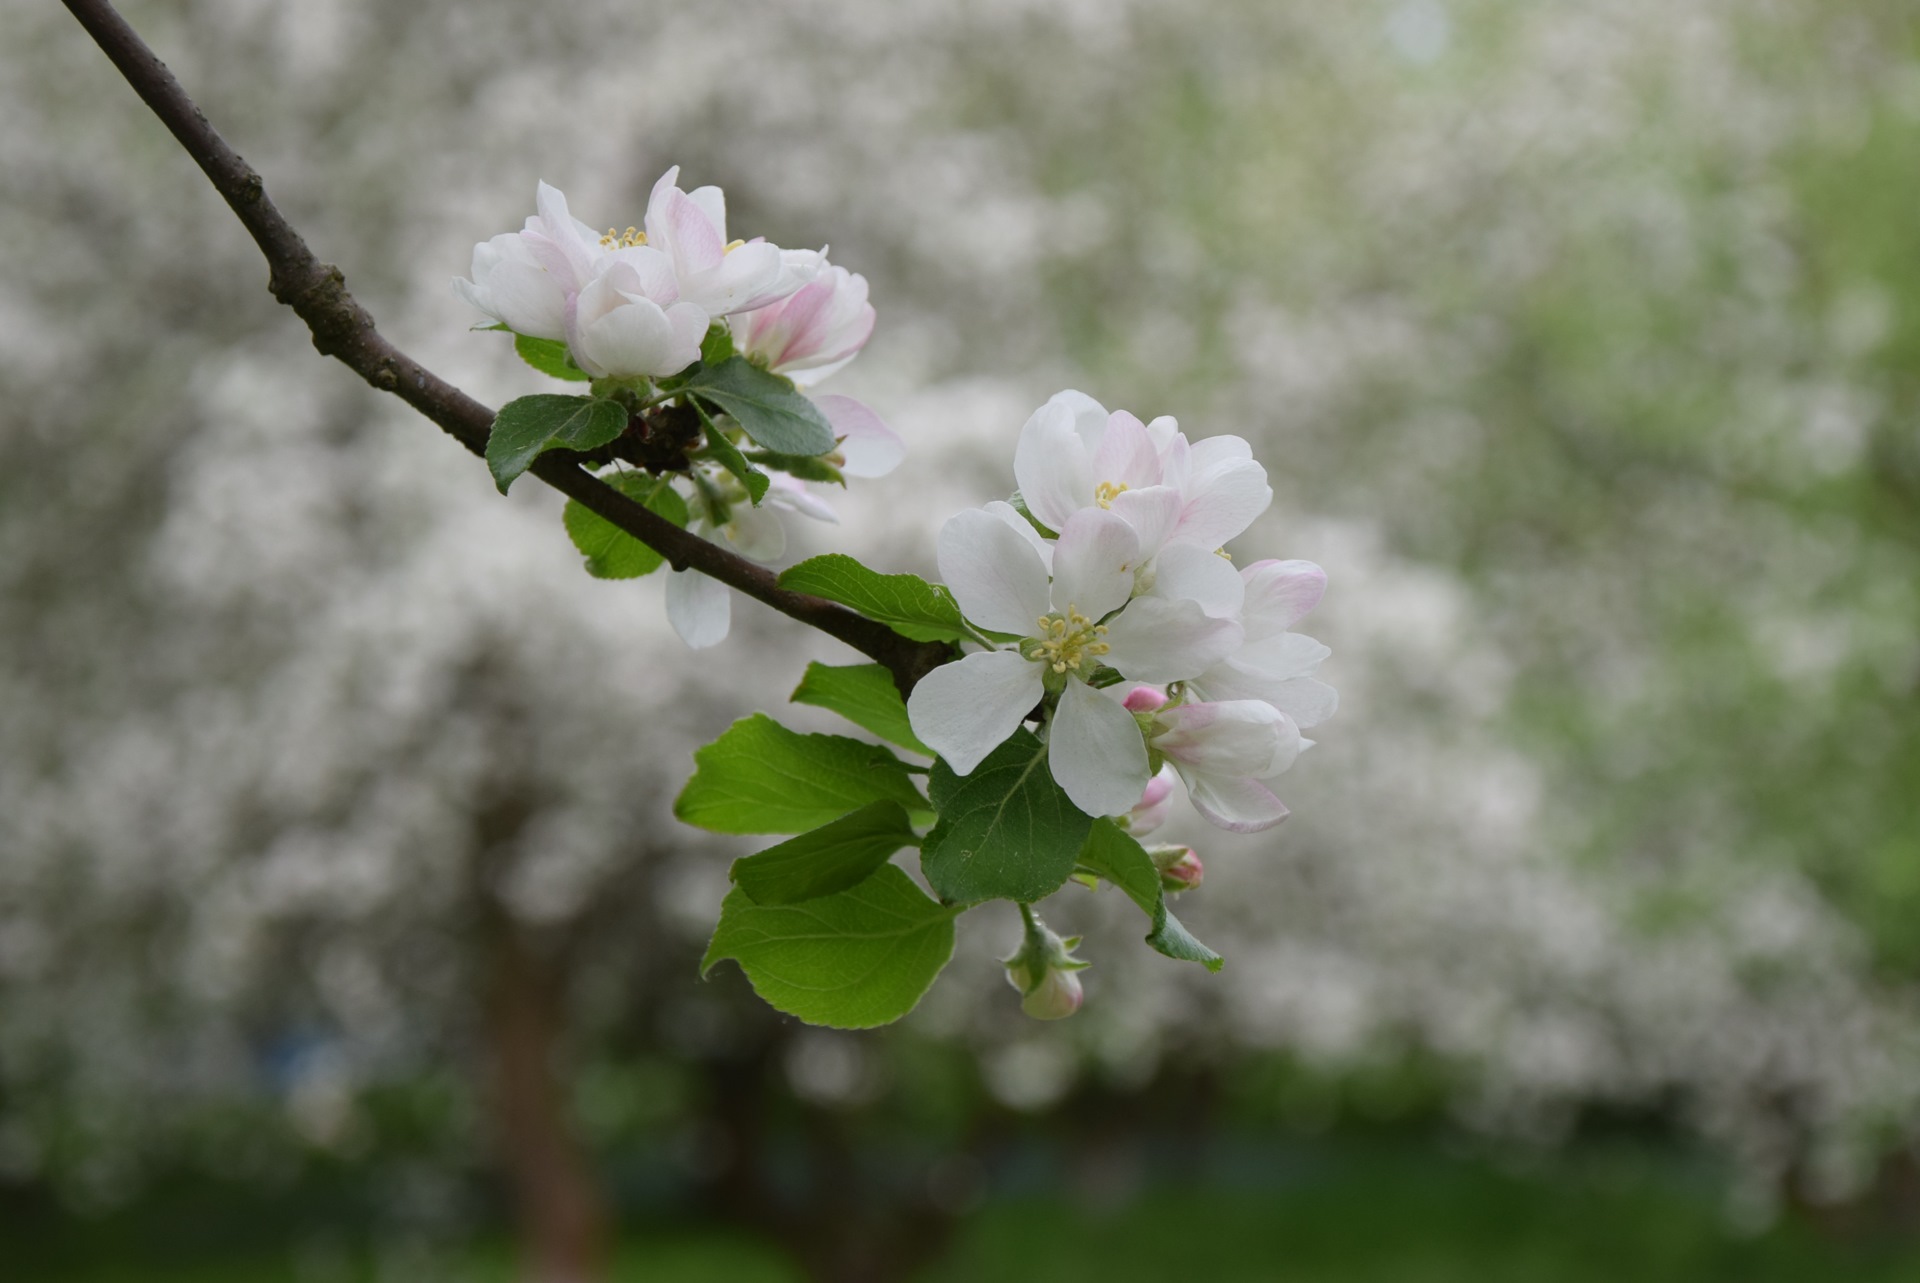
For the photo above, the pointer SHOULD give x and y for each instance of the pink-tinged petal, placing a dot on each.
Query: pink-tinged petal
(870, 447)
(645, 271)
(1223, 503)
(747, 278)
(1239, 737)
(1095, 751)
(1153, 512)
(1051, 465)
(1280, 594)
(1159, 641)
(1238, 806)
(1308, 701)
(700, 609)
(1024, 528)
(966, 709)
(1127, 456)
(1162, 431)
(562, 237)
(712, 204)
(1151, 811)
(1093, 563)
(696, 244)
(1188, 572)
(993, 573)
(665, 188)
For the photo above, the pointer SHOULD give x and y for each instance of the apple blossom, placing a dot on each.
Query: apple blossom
(1067, 624)
(813, 331)
(1273, 664)
(1179, 866)
(700, 608)
(1223, 752)
(1072, 455)
(1156, 800)
(1042, 969)
(628, 320)
(723, 277)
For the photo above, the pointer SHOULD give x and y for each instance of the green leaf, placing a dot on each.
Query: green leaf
(717, 347)
(865, 695)
(907, 604)
(854, 960)
(549, 356)
(611, 552)
(807, 467)
(728, 455)
(1006, 832)
(828, 860)
(767, 406)
(532, 424)
(1121, 860)
(760, 777)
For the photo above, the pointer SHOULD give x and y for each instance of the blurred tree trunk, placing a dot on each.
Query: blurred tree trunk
(562, 1213)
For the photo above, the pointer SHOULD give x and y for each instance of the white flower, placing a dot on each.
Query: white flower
(1274, 665)
(1223, 752)
(628, 321)
(701, 609)
(720, 276)
(1072, 455)
(998, 570)
(813, 331)
(525, 279)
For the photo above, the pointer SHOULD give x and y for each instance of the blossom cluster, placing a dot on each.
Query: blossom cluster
(1105, 605)
(637, 305)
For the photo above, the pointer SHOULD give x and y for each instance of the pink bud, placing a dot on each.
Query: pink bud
(1150, 812)
(1144, 699)
(1054, 998)
(1180, 869)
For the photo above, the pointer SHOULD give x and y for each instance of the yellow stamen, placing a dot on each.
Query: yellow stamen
(734, 245)
(1067, 641)
(1107, 491)
(616, 239)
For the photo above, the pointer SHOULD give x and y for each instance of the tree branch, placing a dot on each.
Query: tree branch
(342, 329)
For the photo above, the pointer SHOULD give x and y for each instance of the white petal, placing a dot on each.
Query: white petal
(966, 709)
(1093, 563)
(1185, 571)
(1280, 594)
(1224, 502)
(1096, 752)
(1051, 467)
(1160, 641)
(1024, 528)
(1127, 455)
(869, 446)
(1239, 737)
(994, 574)
(1215, 451)
(757, 533)
(700, 609)
(634, 338)
(1239, 806)
(712, 202)
(1306, 700)
(792, 495)
(1153, 512)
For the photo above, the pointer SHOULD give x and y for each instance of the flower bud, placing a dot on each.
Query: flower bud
(1043, 971)
(1150, 812)
(1180, 869)
(1144, 699)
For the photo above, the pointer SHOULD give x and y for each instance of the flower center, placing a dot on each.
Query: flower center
(616, 239)
(1065, 642)
(1107, 491)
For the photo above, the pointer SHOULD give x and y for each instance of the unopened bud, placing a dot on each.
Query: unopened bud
(1180, 869)
(1043, 971)
(1150, 812)
(1144, 699)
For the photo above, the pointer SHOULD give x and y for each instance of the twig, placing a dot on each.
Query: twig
(344, 330)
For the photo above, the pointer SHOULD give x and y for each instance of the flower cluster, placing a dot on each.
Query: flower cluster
(636, 306)
(1106, 607)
